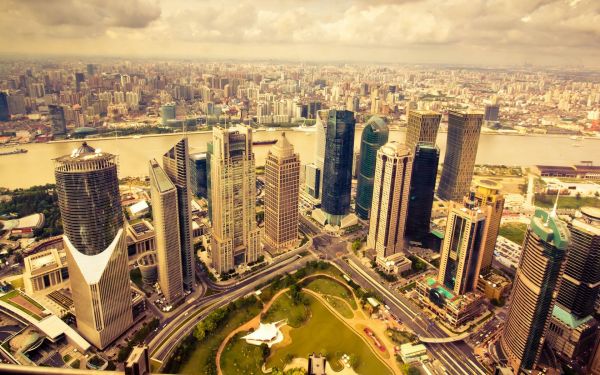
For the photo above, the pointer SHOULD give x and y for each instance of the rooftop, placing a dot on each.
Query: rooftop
(568, 318)
(163, 182)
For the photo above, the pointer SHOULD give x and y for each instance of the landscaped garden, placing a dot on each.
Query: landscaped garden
(566, 202)
(514, 232)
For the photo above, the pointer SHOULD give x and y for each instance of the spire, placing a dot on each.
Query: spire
(283, 147)
(553, 213)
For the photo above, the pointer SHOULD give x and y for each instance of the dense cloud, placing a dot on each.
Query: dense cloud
(567, 30)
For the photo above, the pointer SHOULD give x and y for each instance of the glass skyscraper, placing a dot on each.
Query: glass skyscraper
(374, 135)
(337, 170)
(199, 174)
(4, 113)
(422, 188)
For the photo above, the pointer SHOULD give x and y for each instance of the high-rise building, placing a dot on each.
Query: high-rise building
(235, 238)
(464, 241)
(88, 196)
(321, 138)
(57, 119)
(337, 169)
(532, 297)
(79, 78)
(491, 112)
(91, 70)
(199, 174)
(168, 113)
(312, 180)
(487, 193)
(390, 199)
(461, 151)
(282, 184)
(422, 128)
(375, 134)
(166, 228)
(4, 112)
(422, 190)
(176, 165)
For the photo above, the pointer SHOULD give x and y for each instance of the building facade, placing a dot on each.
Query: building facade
(177, 167)
(90, 207)
(282, 183)
(235, 237)
(337, 169)
(4, 112)
(532, 297)
(57, 119)
(461, 150)
(422, 128)
(166, 227)
(199, 174)
(374, 135)
(487, 193)
(390, 200)
(321, 139)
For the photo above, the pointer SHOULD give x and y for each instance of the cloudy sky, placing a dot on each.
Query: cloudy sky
(480, 32)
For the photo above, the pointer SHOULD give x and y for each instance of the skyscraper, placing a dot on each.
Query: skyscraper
(282, 183)
(337, 169)
(321, 138)
(422, 128)
(487, 193)
(461, 151)
(312, 180)
(463, 246)
(422, 189)
(166, 227)
(177, 167)
(4, 113)
(57, 119)
(168, 112)
(390, 200)
(199, 174)
(90, 207)
(235, 238)
(79, 78)
(535, 282)
(491, 112)
(375, 134)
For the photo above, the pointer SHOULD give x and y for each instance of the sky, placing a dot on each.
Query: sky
(471, 32)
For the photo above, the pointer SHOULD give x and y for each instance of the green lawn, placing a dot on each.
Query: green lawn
(136, 277)
(514, 232)
(332, 288)
(241, 358)
(340, 306)
(284, 308)
(13, 293)
(206, 351)
(324, 333)
(547, 201)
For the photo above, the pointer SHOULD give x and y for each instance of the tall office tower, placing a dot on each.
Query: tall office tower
(461, 150)
(177, 167)
(168, 112)
(422, 189)
(375, 134)
(321, 138)
(532, 297)
(337, 171)
(95, 242)
(581, 280)
(235, 238)
(79, 78)
(166, 227)
(57, 118)
(4, 113)
(312, 180)
(199, 174)
(282, 184)
(463, 245)
(487, 193)
(491, 112)
(422, 128)
(390, 200)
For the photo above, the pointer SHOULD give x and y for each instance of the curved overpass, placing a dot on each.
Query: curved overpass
(443, 340)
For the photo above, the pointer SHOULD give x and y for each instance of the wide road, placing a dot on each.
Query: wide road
(457, 358)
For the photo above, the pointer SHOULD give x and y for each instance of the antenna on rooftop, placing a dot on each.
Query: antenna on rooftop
(553, 212)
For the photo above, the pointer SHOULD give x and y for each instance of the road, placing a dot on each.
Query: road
(457, 358)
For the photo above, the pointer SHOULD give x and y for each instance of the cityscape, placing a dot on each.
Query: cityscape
(259, 188)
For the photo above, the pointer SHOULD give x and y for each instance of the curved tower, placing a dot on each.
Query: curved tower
(374, 135)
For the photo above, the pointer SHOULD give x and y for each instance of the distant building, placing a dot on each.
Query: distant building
(199, 174)
(487, 193)
(4, 112)
(168, 113)
(532, 298)
(337, 170)
(491, 112)
(461, 150)
(88, 196)
(282, 184)
(390, 200)
(422, 128)
(374, 135)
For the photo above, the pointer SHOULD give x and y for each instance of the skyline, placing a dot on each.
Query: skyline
(409, 32)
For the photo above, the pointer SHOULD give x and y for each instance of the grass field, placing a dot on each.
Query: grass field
(206, 351)
(340, 306)
(547, 201)
(240, 358)
(332, 288)
(324, 333)
(284, 308)
(514, 232)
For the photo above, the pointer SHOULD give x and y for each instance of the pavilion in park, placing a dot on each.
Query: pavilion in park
(268, 333)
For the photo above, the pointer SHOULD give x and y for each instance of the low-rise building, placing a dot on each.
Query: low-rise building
(412, 353)
(494, 286)
(394, 264)
(45, 271)
(140, 237)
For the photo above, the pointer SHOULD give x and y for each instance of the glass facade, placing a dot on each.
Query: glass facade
(422, 188)
(4, 113)
(337, 171)
(199, 174)
(374, 135)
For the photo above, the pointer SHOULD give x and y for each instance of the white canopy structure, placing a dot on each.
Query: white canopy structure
(268, 333)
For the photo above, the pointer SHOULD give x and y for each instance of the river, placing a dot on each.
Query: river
(36, 166)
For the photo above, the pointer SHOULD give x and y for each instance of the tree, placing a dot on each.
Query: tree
(266, 351)
(295, 290)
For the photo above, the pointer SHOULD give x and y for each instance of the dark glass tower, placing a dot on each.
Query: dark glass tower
(581, 279)
(198, 171)
(57, 118)
(4, 113)
(422, 187)
(337, 171)
(374, 135)
(177, 167)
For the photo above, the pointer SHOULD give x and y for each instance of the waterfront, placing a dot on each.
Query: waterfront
(36, 166)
